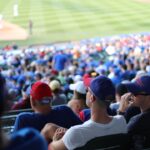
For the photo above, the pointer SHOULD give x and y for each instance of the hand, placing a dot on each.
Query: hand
(126, 101)
(59, 133)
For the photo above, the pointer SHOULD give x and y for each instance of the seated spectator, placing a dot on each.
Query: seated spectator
(99, 95)
(120, 90)
(139, 125)
(23, 103)
(85, 114)
(26, 139)
(78, 101)
(58, 97)
(40, 98)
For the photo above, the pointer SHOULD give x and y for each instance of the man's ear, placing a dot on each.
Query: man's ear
(32, 102)
(92, 98)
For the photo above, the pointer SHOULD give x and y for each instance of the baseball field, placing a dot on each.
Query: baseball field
(67, 20)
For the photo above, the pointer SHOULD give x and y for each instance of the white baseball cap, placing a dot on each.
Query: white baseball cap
(79, 87)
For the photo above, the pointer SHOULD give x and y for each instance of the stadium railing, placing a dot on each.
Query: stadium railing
(8, 119)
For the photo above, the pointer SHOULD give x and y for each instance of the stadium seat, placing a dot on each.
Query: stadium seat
(111, 142)
(141, 142)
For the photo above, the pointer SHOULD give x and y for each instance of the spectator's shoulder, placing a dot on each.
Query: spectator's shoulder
(62, 107)
(25, 115)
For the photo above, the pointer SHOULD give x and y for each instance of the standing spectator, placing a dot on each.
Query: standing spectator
(59, 61)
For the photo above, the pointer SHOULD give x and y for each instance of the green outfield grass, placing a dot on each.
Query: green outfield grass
(65, 20)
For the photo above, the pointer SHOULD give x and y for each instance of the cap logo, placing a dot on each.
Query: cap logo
(139, 82)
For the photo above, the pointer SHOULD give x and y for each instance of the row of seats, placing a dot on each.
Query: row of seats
(116, 142)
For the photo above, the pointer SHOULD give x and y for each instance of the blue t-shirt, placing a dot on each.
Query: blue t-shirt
(60, 115)
(59, 61)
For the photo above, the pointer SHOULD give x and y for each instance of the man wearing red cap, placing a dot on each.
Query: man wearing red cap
(40, 98)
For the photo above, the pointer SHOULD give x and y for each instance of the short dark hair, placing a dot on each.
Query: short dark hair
(121, 89)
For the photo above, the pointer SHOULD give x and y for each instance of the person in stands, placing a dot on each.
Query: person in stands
(27, 138)
(78, 101)
(139, 125)
(100, 93)
(59, 98)
(40, 98)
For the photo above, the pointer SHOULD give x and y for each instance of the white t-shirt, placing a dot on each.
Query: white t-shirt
(79, 135)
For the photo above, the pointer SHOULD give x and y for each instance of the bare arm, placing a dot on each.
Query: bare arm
(57, 143)
(48, 131)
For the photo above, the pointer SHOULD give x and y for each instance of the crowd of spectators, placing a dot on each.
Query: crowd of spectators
(85, 75)
(127, 56)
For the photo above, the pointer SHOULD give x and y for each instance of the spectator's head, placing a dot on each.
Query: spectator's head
(75, 105)
(101, 90)
(26, 91)
(38, 76)
(55, 86)
(121, 89)
(27, 138)
(40, 96)
(79, 90)
(140, 88)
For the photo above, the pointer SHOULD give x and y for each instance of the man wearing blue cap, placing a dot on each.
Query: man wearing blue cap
(100, 93)
(140, 94)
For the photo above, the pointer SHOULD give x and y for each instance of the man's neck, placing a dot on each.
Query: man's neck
(145, 106)
(43, 110)
(101, 117)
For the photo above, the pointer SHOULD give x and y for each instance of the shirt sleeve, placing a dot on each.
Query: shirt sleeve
(20, 122)
(73, 138)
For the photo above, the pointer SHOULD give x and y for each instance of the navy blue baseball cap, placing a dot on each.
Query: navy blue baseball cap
(27, 139)
(141, 85)
(103, 88)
